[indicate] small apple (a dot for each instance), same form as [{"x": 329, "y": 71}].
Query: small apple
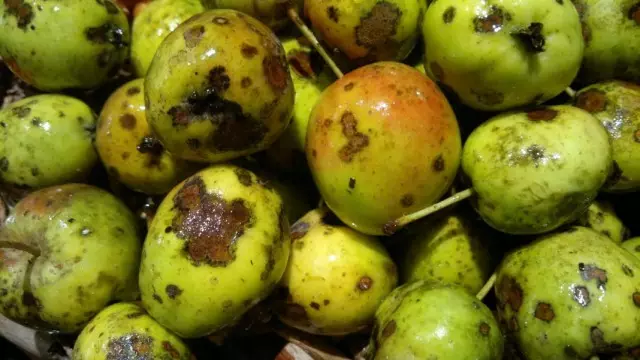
[{"x": 66, "y": 252}]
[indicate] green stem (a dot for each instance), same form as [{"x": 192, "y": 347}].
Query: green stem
[
  {"x": 570, "y": 92},
  {"x": 295, "y": 17},
  {"x": 487, "y": 287},
  {"x": 407, "y": 219}
]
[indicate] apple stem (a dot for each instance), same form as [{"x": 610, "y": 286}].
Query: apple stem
[
  {"x": 570, "y": 92},
  {"x": 487, "y": 287},
  {"x": 19, "y": 246},
  {"x": 295, "y": 17},
  {"x": 407, "y": 219}
]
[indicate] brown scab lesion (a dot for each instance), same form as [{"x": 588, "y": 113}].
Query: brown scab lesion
[
  {"x": 484, "y": 329},
  {"x": 210, "y": 225},
  {"x": 21, "y": 10},
  {"x": 364, "y": 284},
  {"x": 407, "y": 200},
  {"x": 449, "y": 15},
  {"x": 510, "y": 292},
  {"x": 314, "y": 305},
  {"x": 244, "y": 177},
  {"x": 170, "y": 350},
  {"x": 108, "y": 33},
  {"x": 173, "y": 291},
  {"x": 356, "y": 141},
  {"x": 276, "y": 73},
  {"x": 193, "y": 35},
  {"x": 636, "y": 298},
  {"x": 332, "y": 13},
  {"x": 634, "y": 13},
  {"x": 438, "y": 164},
  {"x": 581, "y": 296},
  {"x": 378, "y": 27},
  {"x": 299, "y": 230},
  {"x": 544, "y": 311},
  {"x": 130, "y": 346},
  {"x": 134, "y": 90},
  {"x": 127, "y": 121},
  {"x": 593, "y": 272},
  {"x": 543, "y": 114},
  {"x": 593, "y": 101},
  {"x": 349, "y": 86},
  {"x": 492, "y": 22},
  {"x": 352, "y": 183},
  {"x": 388, "y": 330},
  {"x": 248, "y": 51}
]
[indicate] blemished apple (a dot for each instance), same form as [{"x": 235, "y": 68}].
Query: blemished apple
[{"x": 66, "y": 252}]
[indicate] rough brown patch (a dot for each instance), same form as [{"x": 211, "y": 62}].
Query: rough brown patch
[
  {"x": 407, "y": 200},
  {"x": 130, "y": 346},
  {"x": 492, "y": 22},
  {"x": 210, "y": 225},
  {"x": 634, "y": 13},
  {"x": 449, "y": 15},
  {"x": 544, "y": 114},
  {"x": 299, "y": 230},
  {"x": 581, "y": 296},
  {"x": 244, "y": 177},
  {"x": 193, "y": 35},
  {"x": 365, "y": 283},
  {"x": 484, "y": 328},
  {"x": 352, "y": 183},
  {"x": 488, "y": 97},
  {"x": 276, "y": 72},
  {"x": 248, "y": 51},
  {"x": 246, "y": 82},
  {"x": 172, "y": 351},
  {"x": 636, "y": 298},
  {"x": 108, "y": 33},
  {"x": 315, "y": 305},
  {"x": 357, "y": 141},
  {"x": 544, "y": 312},
  {"x": 378, "y": 26},
  {"x": 438, "y": 164},
  {"x": 332, "y": 13},
  {"x": 134, "y": 90},
  {"x": 150, "y": 145},
  {"x": 219, "y": 79},
  {"x": 389, "y": 329},
  {"x": 592, "y": 100},
  {"x": 510, "y": 292},
  {"x": 591, "y": 271},
  {"x": 173, "y": 291},
  {"x": 437, "y": 71},
  {"x": 128, "y": 121},
  {"x": 22, "y": 11},
  {"x": 21, "y": 111}
]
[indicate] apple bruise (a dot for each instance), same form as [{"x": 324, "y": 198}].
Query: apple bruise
[{"x": 210, "y": 225}]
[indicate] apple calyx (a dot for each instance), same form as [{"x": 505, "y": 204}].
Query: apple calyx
[{"x": 532, "y": 37}]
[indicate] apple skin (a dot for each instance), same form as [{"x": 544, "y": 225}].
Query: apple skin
[{"x": 83, "y": 250}]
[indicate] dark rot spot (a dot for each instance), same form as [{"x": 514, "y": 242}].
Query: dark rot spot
[
  {"x": 246, "y": 82},
  {"x": 544, "y": 312},
  {"x": 636, "y": 136},
  {"x": 22, "y": 11},
  {"x": 134, "y": 90},
  {"x": 485, "y": 329},
  {"x": 299, "y": 230},
  {"x": 634, "y": 13},
  {"x": 438, "y": 164},
  {"x": 449, "y": 14},
  {"x": 192, "y": 36},
  {"x": 437, "y": 71},
  {"x": 581, "y": 296},
  {"x": 150, "y": 145},
  {"x": 349, "y": 86},
  {"x": 544, "y": 114},
  {"x": 135, "y": 315},
  {"x": 389, "y": 330},
  {"x": 636, "y": 298},
  {"x": 220, "y": 20},
  {"x": 35, "y": 171},
  {"x": 365, "y": 283},
  {"x": 407, "y": 200},
  {"x": 377, "y": 27},
  {"x": 108, "y": 33},
  {"x": 21, "y": 111},
  {"x": 332, "y": 13},
  {"x": 592, "y": 272},
  {"x": 510, "y": 292},
  {"x": 352, "y": 183},
  {"x": 130, "y": 346},
  {"x": 390, "y": 227},
  {"x": 166, "y": 346},
  {"x": 248, "y": 51},
  {"x": 4, "y": 163},
  {"x": 492, "y": 22},
  {"x": 600, "y": 345},
  {"x": 532, "y": 38},
  {"x": 218, "y": 79},
  {"x": 127, "y": 121},
  {"x": 270, "y": 252},
  {"x": 244, "y": 177},
  {"x": 173, "y": 291},
  {"x": 275, "y": 70},
  {"x": 593, "y": 101},
  {"x": 210, "y": 225},
  {"x": 488, "y": 97},
  {"x": 357, "y": 141},
  {"x": 315, "y": 305},
  {"x": 627, "y": 270}
]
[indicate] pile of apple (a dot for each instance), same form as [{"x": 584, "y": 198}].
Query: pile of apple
[{"x": 434, "y": 175}]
